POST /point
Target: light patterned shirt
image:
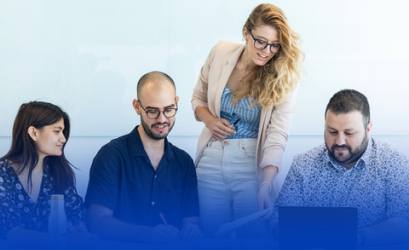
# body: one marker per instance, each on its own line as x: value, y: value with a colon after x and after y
x: 378, y: 184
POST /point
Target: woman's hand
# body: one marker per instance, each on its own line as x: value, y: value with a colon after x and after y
x: 220, y: 128
x: 264, y: 201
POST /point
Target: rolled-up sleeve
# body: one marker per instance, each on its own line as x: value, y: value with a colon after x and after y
x: 277, y: 132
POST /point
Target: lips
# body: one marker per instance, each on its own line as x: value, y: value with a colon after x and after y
x: 160, y: 126
x: 341, y: 149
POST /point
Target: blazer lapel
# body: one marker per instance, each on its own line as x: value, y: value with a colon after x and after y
x: 225, y: 75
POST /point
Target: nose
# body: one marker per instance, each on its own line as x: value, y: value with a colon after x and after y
x: 161, y: 118
x: 267, y: 49
x: 340, y: 139
x: 62, y: 138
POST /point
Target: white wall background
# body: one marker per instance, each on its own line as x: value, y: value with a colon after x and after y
x: 87, y: 56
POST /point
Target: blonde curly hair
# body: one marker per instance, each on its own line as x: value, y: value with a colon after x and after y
x: 271, y: 83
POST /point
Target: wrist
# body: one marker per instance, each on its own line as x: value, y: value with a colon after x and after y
x: 266, y: 185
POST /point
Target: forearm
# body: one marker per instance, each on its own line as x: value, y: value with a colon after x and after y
x: 191, y: 220
x: 31, y: 238
x: 204, y: 114
x: 109, y: 228
x: 269, y: 173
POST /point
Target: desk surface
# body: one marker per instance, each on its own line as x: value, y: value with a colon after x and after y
x: 205, y: 244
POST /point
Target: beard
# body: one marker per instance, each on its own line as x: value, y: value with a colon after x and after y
x: 353, y: 156
x: 156, y: 136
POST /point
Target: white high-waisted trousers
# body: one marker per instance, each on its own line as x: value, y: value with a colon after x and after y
x: 228, y: 186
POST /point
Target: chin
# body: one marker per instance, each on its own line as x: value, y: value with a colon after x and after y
x: 260, y: 63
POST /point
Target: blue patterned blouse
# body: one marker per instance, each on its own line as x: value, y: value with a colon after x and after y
x: 378, y: 184
x: 249, y: 115
x: 18, y: 209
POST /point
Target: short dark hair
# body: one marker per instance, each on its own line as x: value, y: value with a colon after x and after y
x: 348, y: 100
x: 152, y: 76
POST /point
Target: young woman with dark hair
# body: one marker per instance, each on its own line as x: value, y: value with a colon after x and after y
x: 36, y: 168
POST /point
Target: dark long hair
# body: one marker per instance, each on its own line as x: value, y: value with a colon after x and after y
x: 24, y: 152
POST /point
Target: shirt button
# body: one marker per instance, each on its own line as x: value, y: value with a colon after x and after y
x: 226, y: 143
x: 155, y: 176
x: 152, y: 203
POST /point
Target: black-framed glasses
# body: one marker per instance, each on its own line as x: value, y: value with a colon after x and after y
x: 155, y: 113
x: 260, y: 44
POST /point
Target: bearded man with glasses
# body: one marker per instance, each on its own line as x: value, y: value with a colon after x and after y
x: 142, y: 188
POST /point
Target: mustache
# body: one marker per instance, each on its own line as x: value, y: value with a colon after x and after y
x: 158, y: 124
x: 344, y: 146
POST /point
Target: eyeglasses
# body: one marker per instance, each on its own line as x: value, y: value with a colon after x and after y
x: 155, y: 113
x: 260, y: 44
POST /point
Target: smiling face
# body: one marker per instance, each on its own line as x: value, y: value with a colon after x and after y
x: 49, y: 140
x: 262, y: 34
x: 156, y: 97
x: 346, y: 137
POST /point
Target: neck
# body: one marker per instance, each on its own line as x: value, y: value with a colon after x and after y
x: 245, y: 63
x: 149, y: 144
x: 348, y: 165
x: 37, y: 168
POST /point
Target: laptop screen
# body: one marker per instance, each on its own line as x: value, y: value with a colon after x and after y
x: 317, y: 227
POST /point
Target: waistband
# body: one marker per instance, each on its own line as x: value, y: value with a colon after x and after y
x: 240, y: 143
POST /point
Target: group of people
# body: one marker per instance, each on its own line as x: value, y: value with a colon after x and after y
x: 143, y: 188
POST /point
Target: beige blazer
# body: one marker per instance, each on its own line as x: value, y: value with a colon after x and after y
x: 274, y: 122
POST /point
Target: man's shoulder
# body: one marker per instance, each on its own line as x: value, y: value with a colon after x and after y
x: 319, y: 153
x: 117, y: 146
x: 117, y: 143
x: 386, y: 153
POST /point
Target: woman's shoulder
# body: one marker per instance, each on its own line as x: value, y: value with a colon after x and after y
x: 226, y: 47
x: 5, y: 166
x: 6, y: 171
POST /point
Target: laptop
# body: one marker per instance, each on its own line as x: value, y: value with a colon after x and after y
x: 317, y: 228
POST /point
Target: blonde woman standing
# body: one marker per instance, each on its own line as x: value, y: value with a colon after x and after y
x: 245, y: 96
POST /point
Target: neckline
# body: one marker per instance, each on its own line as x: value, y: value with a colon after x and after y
x: 25, y: 193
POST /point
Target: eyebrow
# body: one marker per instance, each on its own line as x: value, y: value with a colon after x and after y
x: 348, y: 129
x: 58, y: 128
x: 169, y: 106
x: 263, y: 38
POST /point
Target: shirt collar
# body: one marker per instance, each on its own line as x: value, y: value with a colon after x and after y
x: 362, y: 162
x: 137, y: 148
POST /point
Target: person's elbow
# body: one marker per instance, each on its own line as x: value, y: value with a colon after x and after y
x: 98, y: 219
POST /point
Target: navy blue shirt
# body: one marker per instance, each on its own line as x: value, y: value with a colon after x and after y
x: 123, y: 179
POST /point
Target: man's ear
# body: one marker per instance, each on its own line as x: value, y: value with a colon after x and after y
x: 33, y: 133
x: 369, y: 127
x: 136, y: 106
x: 177, y: 99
